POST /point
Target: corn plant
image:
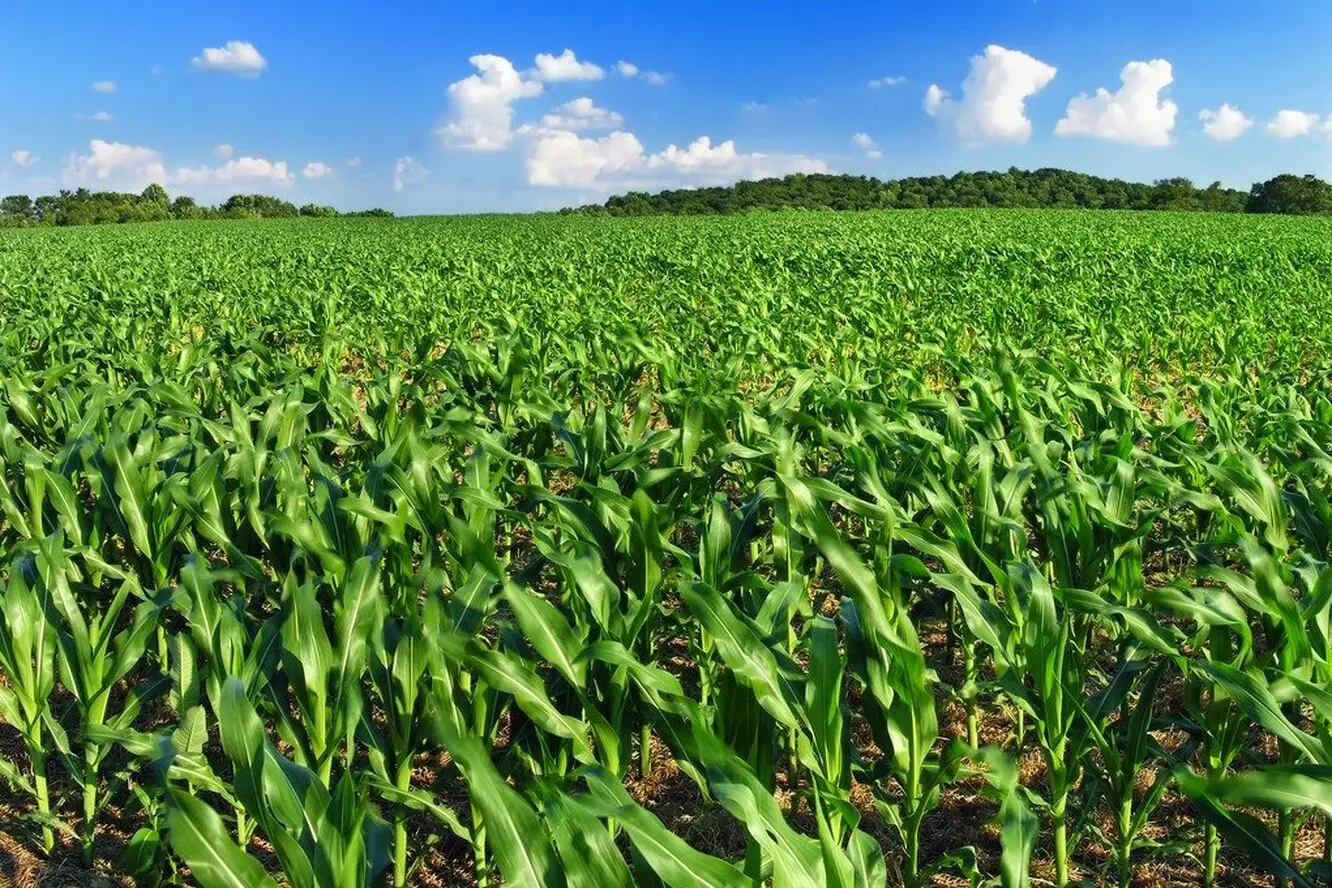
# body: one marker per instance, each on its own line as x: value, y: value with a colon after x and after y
x: 338, y: 552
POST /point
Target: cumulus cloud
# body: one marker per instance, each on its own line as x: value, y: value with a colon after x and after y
x: 23, y: 158
x: 722, y: 160
x: 1225, y: 123
x: 316, y: 170
x: 237, y: 57
x: 407, y: 171
x: 106, y: 87
x: 564, y: 159
x: 481, y: 116
x: 1289, y: 124
x: 626, y: 69
x: 894, y: 80
x: 115, y: 164
x: 1135, y: 114
x: 581, y: 113
x: 565, y: 66
x: 224, y: 151
x: 238, y: 169
x: 102, y: 117
x: 868, y: 145
x: 657, y: 78
x: 993, y: 106
x: 754, y: 107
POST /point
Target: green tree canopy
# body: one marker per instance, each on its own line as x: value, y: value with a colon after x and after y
x: 153, y: 204
x: 1010, y: 188
x: 1297, y: 195
x: 18, y: 206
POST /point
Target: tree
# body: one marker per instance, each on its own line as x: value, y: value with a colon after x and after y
x: 48, y: 205
x: 155, y: 194
x: 1297, y: 195
x: 262, y: 206
x: 18, y: 206
x: 185, y: 207
x: 153, y: 205
x: 1219, y: 199
x: 1174, y: 194
x: 318, y: 211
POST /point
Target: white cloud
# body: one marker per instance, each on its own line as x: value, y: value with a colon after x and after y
x: 1288, y: 124
x: 1225, y: 123
x: 725, y: 162
x: 565, y: 66
x: 935, y: 98
x: 114, y: 164
x: 581, y: 113
x: 224, y: 151
x: 868, y: 145
x: 23, y: 158
x: 106, y: 87
x: 237, y: 57
x: 102, y: 117
x: 993, y: 106
x: 156, y: 70
x: 482, y: 112
x: 353, y: 161
x: 894, y: 80
x: 1135, y: 114
x: 563, y: 159
x: 754, y: 107
x: 406, y: 171
x: 238, y: 169
x: 629, y: 69
x: 316, y: 170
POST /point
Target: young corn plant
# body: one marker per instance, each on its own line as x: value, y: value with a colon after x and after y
x: 97, y: 651
x: 320, y: 837
x: 28, y: 667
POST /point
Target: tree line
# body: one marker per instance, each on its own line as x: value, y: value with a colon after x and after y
x: 153, y: 204
x: 1055, y: 188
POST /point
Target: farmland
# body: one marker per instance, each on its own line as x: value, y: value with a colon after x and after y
x: 911, y: 548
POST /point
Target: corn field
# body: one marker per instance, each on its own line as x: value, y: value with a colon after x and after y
x: 942, y: 548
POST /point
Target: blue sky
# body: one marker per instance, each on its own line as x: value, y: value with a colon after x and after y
x: 435, y: 107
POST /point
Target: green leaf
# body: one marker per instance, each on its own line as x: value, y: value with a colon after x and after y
x: 1255, y: 698
x: 1241, y: 830
x: 512, y: 676
x: 672, y: 860
x: 1018, y: 826
x: 1279, y: 787
x: 587, y: 853
x: 198, y: 835
x: 513, y: 831
x: 131, y: 498
x: 754, y: 664
x: 192, y: 732
x: 549, y: 633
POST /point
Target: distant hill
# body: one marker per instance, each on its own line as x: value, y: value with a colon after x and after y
x: 1053, y: 188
